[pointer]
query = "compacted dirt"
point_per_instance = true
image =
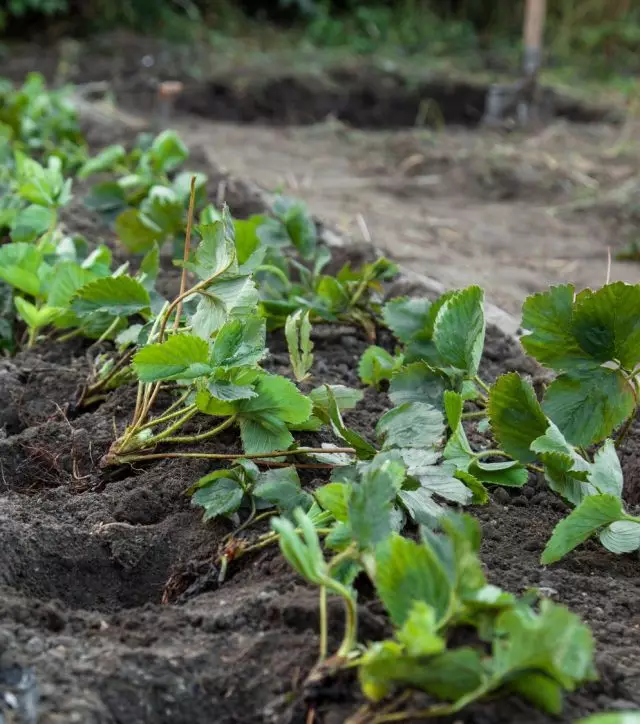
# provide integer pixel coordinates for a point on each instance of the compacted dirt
(108, 578)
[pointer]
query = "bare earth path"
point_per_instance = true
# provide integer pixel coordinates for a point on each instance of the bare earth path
(461, 206)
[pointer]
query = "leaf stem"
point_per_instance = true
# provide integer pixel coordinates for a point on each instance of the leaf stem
(474, 414)
(187, 250)
(491, 453)
(203, 435)
(122, 459)
(481, 383)
(324, 628)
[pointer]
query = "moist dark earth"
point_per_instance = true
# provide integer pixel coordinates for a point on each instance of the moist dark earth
(108, 578)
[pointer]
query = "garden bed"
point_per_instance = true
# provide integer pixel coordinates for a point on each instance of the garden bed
(109, 580)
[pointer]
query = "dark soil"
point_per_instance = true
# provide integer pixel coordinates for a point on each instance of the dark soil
(358, 93)
(87, 557)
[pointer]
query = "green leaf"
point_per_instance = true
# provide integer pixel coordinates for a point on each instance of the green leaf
(406, 317)
(69, 277)
(137, 232)
(594, 513)
(163, 207)
(364, 450)
(589, 407)
(106, 160)
(413, 424)
(297, 331)
(554, 642)
(168, 151)
(106, 198)
(19, 267)
(370, 506)
(606, 474)
(346, 398)
(622, 536)
(509, 474)
(419, 633)
(180, 356)
(334, 497)
(418, 382)
(407, 572)
(221, 496)
(32, 222)
(459, 329)
(375, 365)
(119, 296)
(305, 556)
(437, 479)
(281, 487)
(618, 717)
(216, 252)
(228, 391)
(447, 676)
(547, 317)
(240, 342)
(516, 416)
(277, 395)
(35, 317)
(606, 323)
(247, 241)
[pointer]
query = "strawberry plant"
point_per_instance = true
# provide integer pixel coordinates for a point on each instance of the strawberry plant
(209, 341)
(40, 123)
(148, 200)
(429, 588)
(292, 281)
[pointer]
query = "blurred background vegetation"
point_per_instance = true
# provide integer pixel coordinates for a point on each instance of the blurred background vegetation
(602, 36)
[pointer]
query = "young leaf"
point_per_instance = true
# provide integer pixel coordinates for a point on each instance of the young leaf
(516, 417)
(370, 506)
(606, 323)
(547, 317)
(118, 296)
(137, 232)
(418, 382)
(364, 450)
(181, 356)
(589, 407)
(407, 572)
(459, 329)
(32, 222)
(35, 317)
(68, 279)
(215, 254)
(297, 331)
(419, 633)
(106, 160)
(346, 398)
(305, 556)
(413, 424)
(375, 365)
(622, 536)
(334, 497)
(605, 474)
(168, 151)
(218, 495)
(618, 717)
(19, 266)
(406, 317)
(594, 513)
(553, 642)
(281, 487)
(264, 418)
(240, 342)
(448, 676)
